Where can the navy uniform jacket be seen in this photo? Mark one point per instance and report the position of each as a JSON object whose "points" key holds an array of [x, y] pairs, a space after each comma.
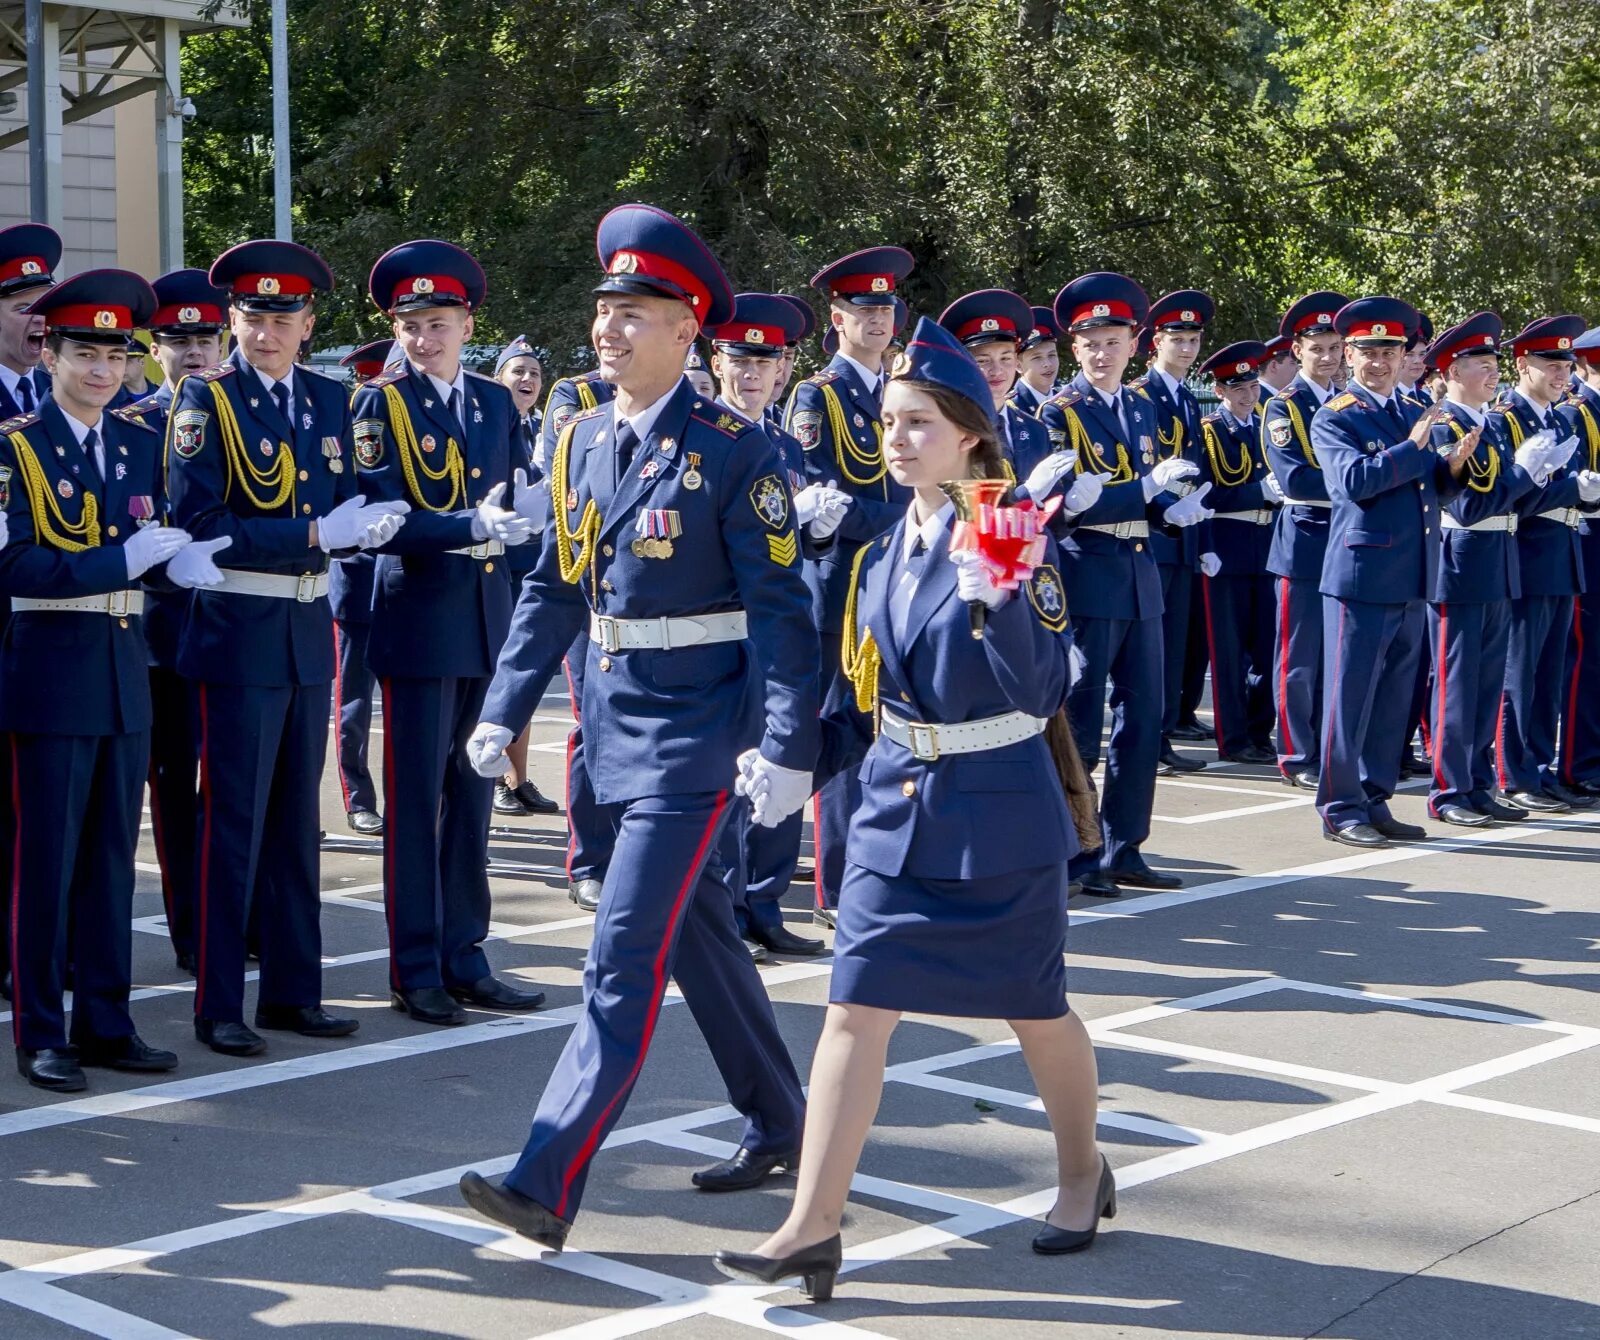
{"points": [[569, 396], [234, 467], [1023, 439], [1300, 534], [1383, 537], [1549, 551], [522, 557], [835, 417], [1177, 434], [1025, 398], [1581, 409], [1235, 464], [10, 408], [967, 816], [670, 722], [350, 588], [165, 606], [1480, 566], [436, 614], [73, 672], [1107, 577]]}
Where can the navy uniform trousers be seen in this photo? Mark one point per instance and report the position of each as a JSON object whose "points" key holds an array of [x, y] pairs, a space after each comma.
{"points": [[174, 799], [1469, 641], [1580, 704], [1239, 634], [1297, 673], [353, 687], [1530, 706], [591, 826]]}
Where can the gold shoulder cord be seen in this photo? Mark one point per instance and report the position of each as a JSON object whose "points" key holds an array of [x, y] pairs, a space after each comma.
{"points": [[844, 446], [1227, 474], [1084, 449], [1513, 427], [411, 461], [1592, 432], [1173, 441], [1300, 433], [586, 397], [588, 533], [1480, 478], [860, 659], [47, 513], [279, 477]]}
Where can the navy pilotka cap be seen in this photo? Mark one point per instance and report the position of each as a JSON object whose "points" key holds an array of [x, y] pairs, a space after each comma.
{"points": [[1377, 320], [763, 325], [1478, 334], [426, 273], [1237, 363], [1101, 299], [518, 348], [808, 318], [29, 254], [646, 251], [988, 316], [1548, 337], [188, 303], [934, 357], [271, 276], [1185, 309], [96, 307], [1312, 314], [1044, 328], [866, 278]]}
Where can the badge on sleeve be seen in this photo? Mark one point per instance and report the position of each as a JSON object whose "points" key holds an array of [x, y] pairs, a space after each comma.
{"points": [[5, 486], [1048, 596], [807, 428], [189, 431], [369, 442], [771, 501], [559, 416], [1279, 433]]}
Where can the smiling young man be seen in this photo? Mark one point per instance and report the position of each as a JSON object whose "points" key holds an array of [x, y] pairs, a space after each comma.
{"points": [[1038, 363]]}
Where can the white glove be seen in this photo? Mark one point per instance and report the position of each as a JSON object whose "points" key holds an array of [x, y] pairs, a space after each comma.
{"points": [[1210, 565], [1166, 474], [1047, 474], [353, 524], [1188, 511], [146, 548], [1588, 486], [775, 792], [486, 748], [491, 521], [1077, 663], [192, 565], [1534, 453], [5, 531], [975, 582], [384, 526], [1561, 453], [1272, 490], [1083, 493], [525, 502], [821, 508]]}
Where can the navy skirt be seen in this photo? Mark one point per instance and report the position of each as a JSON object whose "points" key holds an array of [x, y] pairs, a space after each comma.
{"points": [[976, 948]]}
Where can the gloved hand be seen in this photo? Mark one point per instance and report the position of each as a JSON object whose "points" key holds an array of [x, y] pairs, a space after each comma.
{"points": [[486, 748], [193, 565], [1210, 565], [525, 502], [975, 580], [1534, 453], [383, 527], [1561, 453], [775, 792], [1588, 486], [1272, 491], [491, 521], [1047, 474], [1083, 493], [821, 508], [1188, 511], [1077, 663], [146, 548], [354, 525], [1167, 473], [5, 531]]}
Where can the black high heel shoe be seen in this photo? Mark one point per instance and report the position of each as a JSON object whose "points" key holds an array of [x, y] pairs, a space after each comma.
{"points": [[817, 1266], [1053, 1241]]}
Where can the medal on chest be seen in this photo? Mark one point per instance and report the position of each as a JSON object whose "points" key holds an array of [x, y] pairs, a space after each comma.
{"points": [[657, 528], [333, 453], [692, 478]]}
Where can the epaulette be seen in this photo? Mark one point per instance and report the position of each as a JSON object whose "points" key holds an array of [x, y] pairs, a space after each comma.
{"points": [[1065, 400], [1343, 401], [144, 406], [1139, 382], [216, 372], [130, 414], [727, 421], [1411, 400], [583, 415], [1214, 417], [18, 422], [1139, 387], [386, 378], [822, 378]]}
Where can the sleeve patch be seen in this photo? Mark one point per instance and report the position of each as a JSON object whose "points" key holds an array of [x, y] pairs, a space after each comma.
{"points": [[369, 442], [5, 487], [189, 431], [771, 501], [807, 428], [1048, 596], [1280, 432], [783, 549]]}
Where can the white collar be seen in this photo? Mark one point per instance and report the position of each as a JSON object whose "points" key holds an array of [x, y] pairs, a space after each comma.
{"points": [[869, 378], [928, 531], [1172, 382], [14, 379], [1110, 397], [645, 419], [444, 388], [1475, 415], [1237, 421], [1322, 393], [81, 430]]}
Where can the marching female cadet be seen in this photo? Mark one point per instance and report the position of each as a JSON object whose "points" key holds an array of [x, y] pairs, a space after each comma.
{"points": [[954, 899]]}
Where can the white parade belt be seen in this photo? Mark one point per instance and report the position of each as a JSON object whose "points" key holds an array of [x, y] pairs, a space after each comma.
{"points": [[1505, 523], [1306, 502], [668, 632], [1123, 530], [488, 549], [927, 740], [119, 604], [305, 587], [1567, 516], [1260, 516]]}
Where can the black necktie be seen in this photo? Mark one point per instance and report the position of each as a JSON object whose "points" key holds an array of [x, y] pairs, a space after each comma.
{"points": [[455, 411], [1121, 418], [91, 440], [627, 444], [25, 392], [280, 393]]}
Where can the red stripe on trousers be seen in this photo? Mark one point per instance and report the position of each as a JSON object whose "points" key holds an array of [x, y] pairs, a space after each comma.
{"points": [[1569, 747], [1441, 673], [204, 890], [1283, 672], [389, 793], [338, 713], [1211, 647]]}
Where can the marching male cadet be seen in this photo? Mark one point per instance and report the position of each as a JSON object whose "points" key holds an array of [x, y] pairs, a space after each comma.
{"points": [[1469, 616], [185, 338], [834, 414], [135, 384], [747, 359], [1412, 370], [673, 527], [1580, 713], [1278, 368], [257, 459], [1177, 326], [350, 597], [1113, 586], [445, 443], [992, 323], [1551, 555], [80, 487], [1236, 589], [804, 330], [1300, 534], [1386, 483], [1038, 363]]}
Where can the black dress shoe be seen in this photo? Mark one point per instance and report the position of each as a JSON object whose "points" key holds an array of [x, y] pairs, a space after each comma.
{"points": [[1304, 780], [505, 800], [534, 800], [1393, 828], [187, 962], [1170, 762], [1190, 730], [132, 1054], [1053, 1241], [1539, 803], [817, 1266], [782, 940], [757, 951], [522, 1214], [1251, 753], [1140, 876], [365, 822], [1461, 816], [228, 1038], [1577, 800], [585, 893], [804, 874], [825, 916], [1587, 788], [310, 1021], [493, 994], [1499, 811], [1356, 835], [53, 1068], [428, 1005], [1099, 884], [1412, 765], [743, 1171]]}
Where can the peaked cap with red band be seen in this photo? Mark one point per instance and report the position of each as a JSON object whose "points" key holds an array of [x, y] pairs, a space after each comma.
{"points": [[97, 306], [266, 275], [867, 277], [647, 251], [988, 315], [1101, 299], [426, 273], [188, 303]]}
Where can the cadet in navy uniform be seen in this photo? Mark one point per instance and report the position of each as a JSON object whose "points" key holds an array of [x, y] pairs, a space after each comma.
{"points": [[1278, 367], [1580, 712], [1177, 324], [1113, 586], [79, 487], [834, 414], [1038, 363], [1413, 369], [1237, 591], [447, 444], [257, 458], [672, 525], [1551, 556], [1386, 483], [953, 902], [804, 329], [185, 337], [1469, 617], [992, 323], [1300, 534]]}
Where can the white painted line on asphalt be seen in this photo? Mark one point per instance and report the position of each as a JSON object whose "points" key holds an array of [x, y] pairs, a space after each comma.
{"points": [[1243, 812], [1495, 1108], [84, 1313]]}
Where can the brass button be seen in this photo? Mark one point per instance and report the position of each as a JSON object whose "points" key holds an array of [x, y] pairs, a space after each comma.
{"points": [[123, 622], [905, 697], [476, 472], [607, 550], [606, 585], [304, 476], [605, 663], [306, 508], [908, 789], [111, 531], [488, 567], [1138, 548], [1427, 530]]}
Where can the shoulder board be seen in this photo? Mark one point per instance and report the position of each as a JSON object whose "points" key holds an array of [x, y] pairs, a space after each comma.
{"points": [[724, 421], [822, 378], [1412, 400], [145, 406], [130, 414], [1065, 399], [583, 416], [383, 379], [1343, 401], [216, 372], [1140, 382], [18, 423], [1139, 387]]}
